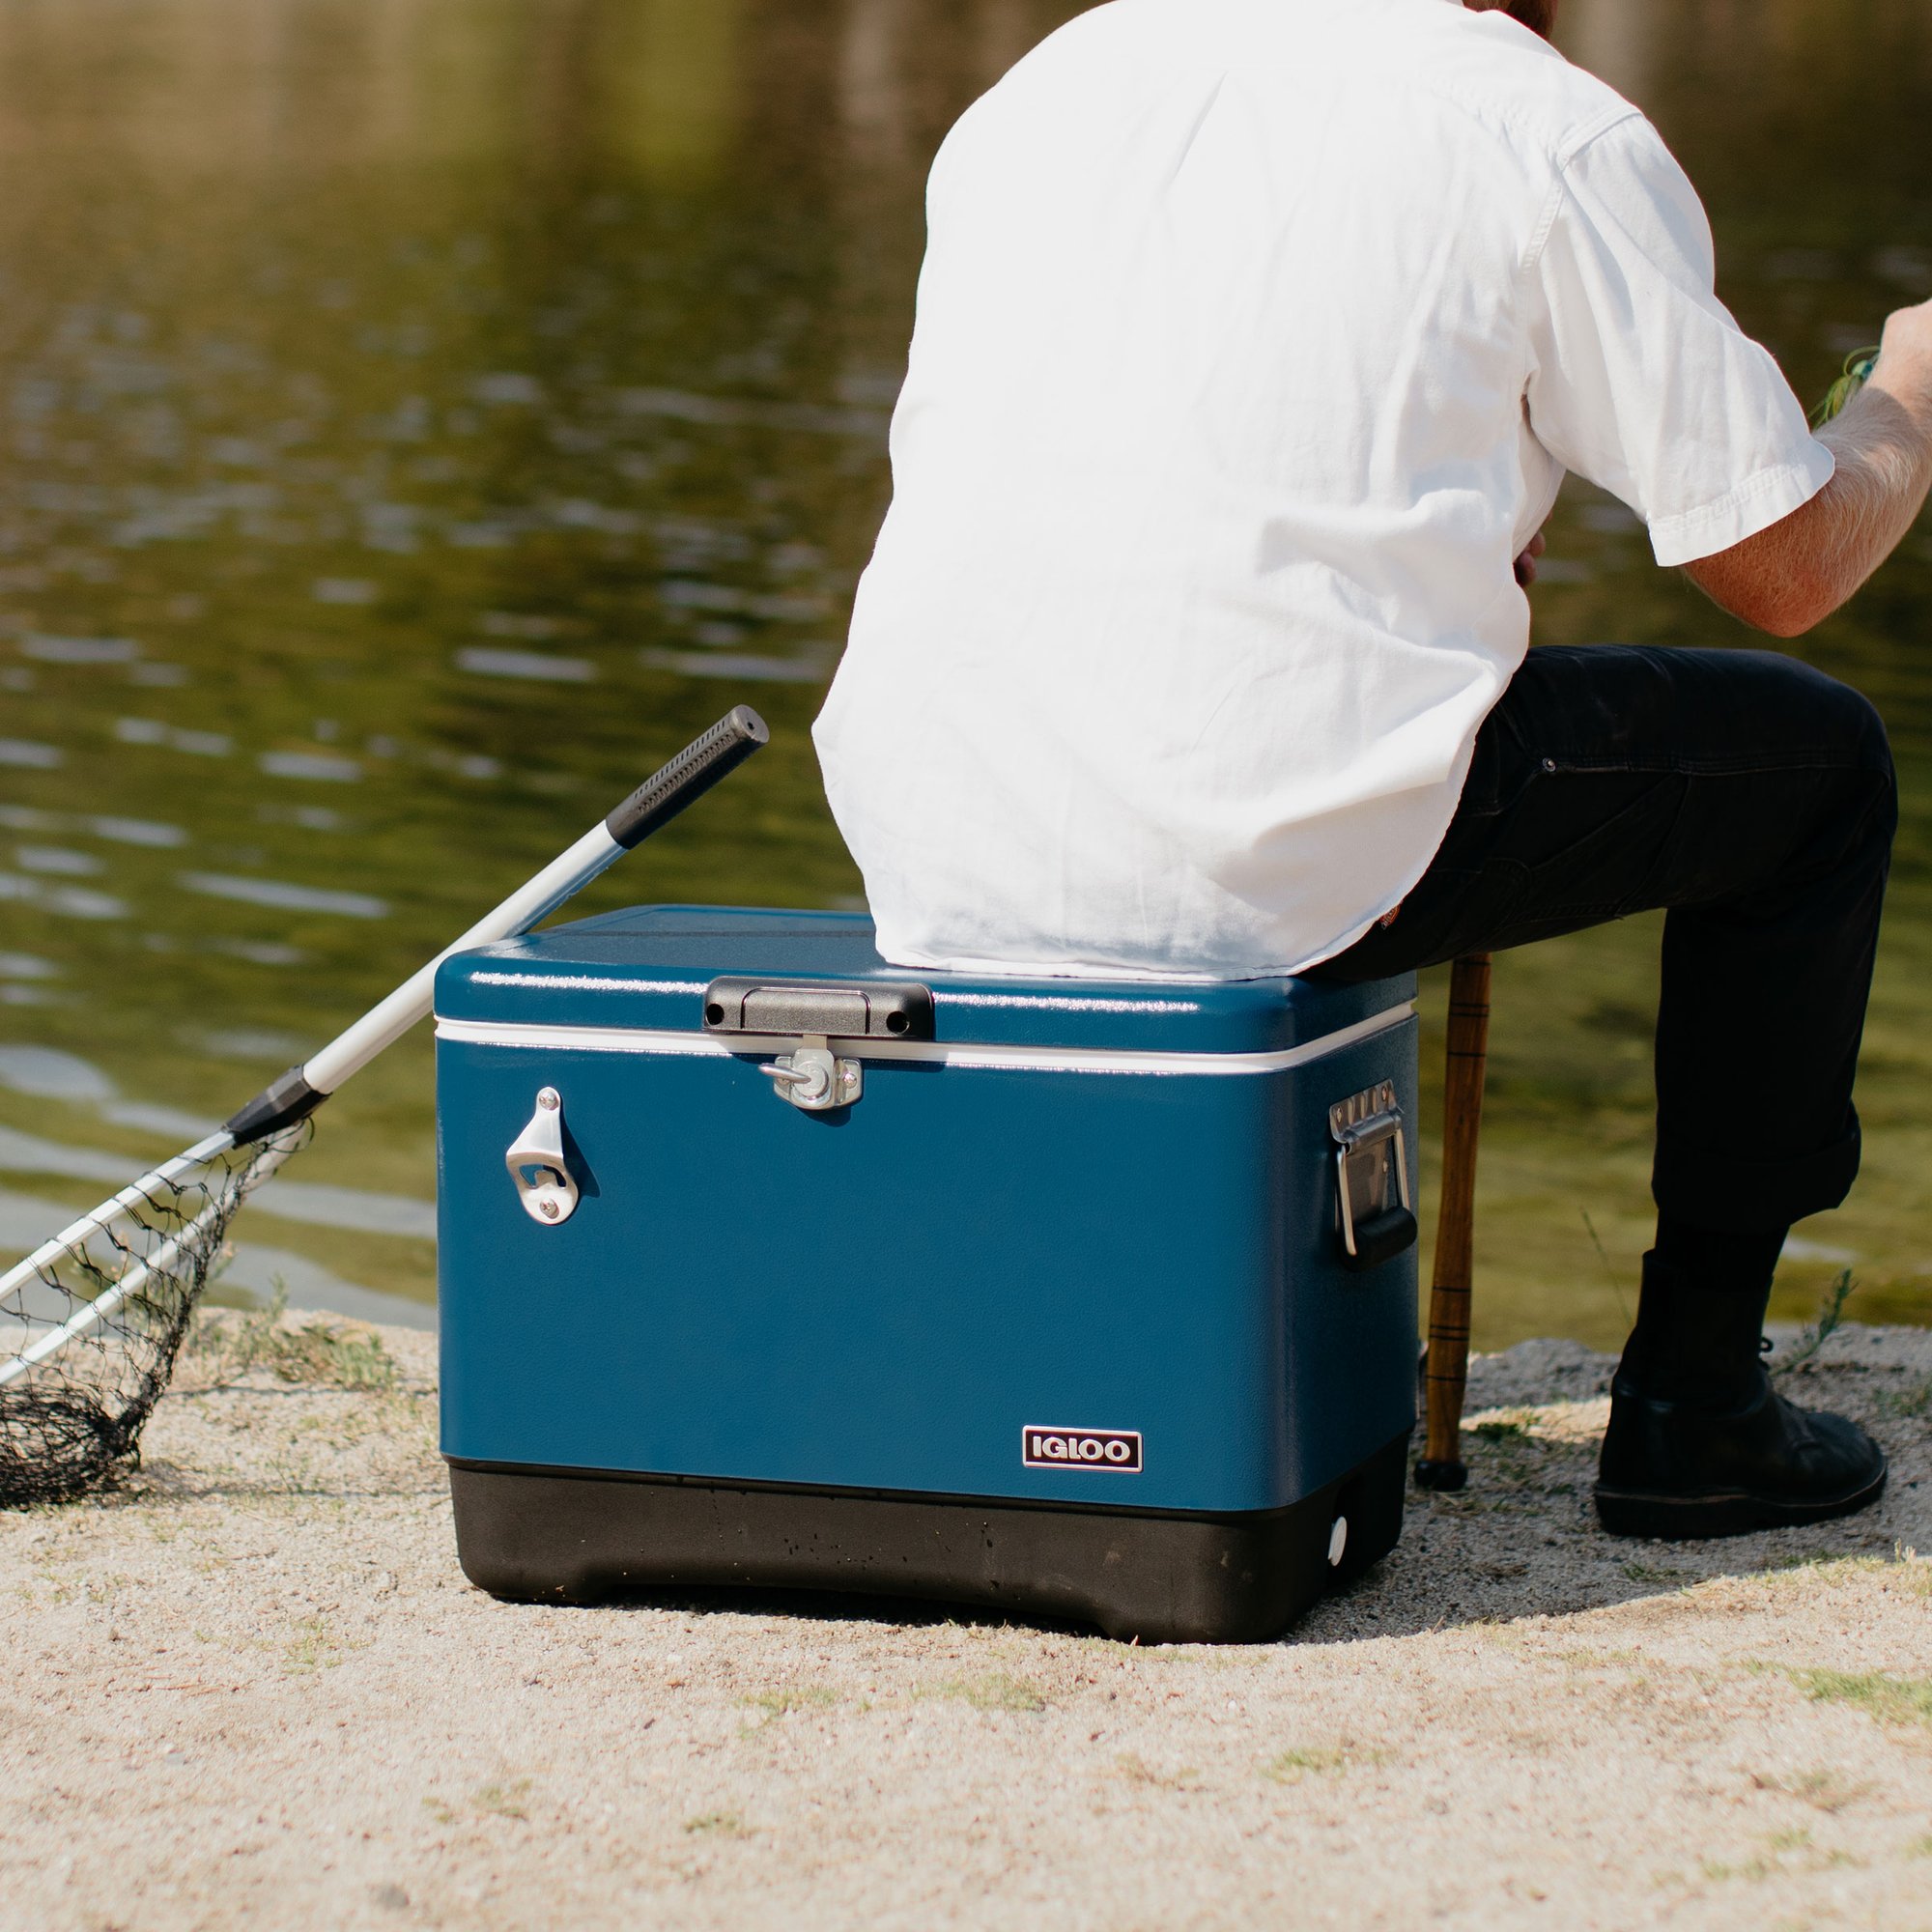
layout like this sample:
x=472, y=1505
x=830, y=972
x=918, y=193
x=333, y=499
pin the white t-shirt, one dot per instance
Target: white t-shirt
x=1253, y=340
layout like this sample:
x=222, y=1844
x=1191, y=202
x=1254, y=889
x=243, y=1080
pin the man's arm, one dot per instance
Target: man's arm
x=1795, y=574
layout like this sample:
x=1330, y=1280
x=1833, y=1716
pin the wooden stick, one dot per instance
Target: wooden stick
x=1447, y=1372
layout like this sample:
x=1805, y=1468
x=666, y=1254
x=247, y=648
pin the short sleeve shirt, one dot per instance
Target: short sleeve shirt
x=1253, y=340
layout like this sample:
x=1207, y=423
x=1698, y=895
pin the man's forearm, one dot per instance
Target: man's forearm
x=1790, y=577
x=1884, y=455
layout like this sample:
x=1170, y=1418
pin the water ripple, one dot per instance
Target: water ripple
x=285, y=897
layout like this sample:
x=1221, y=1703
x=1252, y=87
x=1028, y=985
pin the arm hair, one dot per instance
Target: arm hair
x=1795, y=574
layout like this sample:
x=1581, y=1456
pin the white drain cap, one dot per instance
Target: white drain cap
x=1338, y=1540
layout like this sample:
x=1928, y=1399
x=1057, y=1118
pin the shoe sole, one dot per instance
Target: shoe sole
x=1691, y=1519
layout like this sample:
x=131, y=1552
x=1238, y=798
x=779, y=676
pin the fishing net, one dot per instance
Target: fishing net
x=91, y=1322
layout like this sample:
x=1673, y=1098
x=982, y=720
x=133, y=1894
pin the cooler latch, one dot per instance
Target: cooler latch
x=818, y=1012
x=813, y=1077
x=1378, y=1218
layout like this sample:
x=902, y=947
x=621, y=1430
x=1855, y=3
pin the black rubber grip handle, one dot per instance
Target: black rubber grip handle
x=281, y=1103
x=1380, y=1238
x=690, y=775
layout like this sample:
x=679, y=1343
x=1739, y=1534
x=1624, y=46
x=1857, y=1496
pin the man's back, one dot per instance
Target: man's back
x=1252, y=338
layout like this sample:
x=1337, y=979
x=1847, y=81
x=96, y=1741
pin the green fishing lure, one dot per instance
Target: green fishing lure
x=1859, y=365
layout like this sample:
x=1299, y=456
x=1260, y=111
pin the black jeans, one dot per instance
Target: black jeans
x=1755, y=798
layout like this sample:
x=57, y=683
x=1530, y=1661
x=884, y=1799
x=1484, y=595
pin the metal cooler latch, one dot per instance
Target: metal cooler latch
x=1378, y=1221
x=537, y=1165
x=813, y=1077
x=817, y=1013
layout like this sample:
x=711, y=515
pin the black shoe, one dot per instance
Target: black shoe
x=1672, y=1470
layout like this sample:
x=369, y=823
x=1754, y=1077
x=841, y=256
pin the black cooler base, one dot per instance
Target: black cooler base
x=577, y=1537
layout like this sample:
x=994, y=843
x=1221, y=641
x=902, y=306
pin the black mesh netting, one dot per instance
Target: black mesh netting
x=88, y=1331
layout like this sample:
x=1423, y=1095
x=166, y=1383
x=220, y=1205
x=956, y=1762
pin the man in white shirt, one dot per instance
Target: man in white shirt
x=1254, y=339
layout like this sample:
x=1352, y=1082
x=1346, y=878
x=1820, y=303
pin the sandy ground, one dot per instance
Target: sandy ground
x=253, y=1688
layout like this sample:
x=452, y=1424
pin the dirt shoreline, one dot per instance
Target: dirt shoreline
x=253, y=1688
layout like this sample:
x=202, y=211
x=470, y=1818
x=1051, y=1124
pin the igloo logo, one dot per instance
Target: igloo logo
x=1081, y=1449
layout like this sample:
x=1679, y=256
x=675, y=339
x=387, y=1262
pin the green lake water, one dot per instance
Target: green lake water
x=421, y=417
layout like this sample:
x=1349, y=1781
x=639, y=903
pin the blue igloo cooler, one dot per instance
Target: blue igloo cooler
x=765, y=1263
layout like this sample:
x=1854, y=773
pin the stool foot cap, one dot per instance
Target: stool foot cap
x=1430, y=1475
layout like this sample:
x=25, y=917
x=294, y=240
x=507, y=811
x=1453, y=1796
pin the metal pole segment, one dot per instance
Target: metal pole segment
x=655, y=803
x=1447, y=1371
x=383, y=1025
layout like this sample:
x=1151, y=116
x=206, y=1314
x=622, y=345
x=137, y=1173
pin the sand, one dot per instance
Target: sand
x=254, y=1689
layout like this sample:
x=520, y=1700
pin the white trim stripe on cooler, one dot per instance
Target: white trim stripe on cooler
x=1053, y=1059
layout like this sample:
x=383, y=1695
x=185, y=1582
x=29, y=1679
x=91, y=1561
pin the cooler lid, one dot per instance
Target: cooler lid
x=648, y=967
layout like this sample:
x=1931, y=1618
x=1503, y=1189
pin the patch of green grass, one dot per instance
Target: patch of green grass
x=1830, y=1315
x=1137, y=1770
x=997, y=1691
x=718, y=1824
x=1813, y=1566
x=1755, y=1871
x=1889, y=1700
x=1319, y=1761
x=505, y=1800
x=327, y=1354
x=1499, y=1428
x=1906, y=1403
x=776, y=1704
x=313, y=1648
x=333, y=1354
x=1600, y=1659
x=1654, y=1572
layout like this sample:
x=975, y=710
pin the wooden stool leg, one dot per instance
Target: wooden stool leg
x=1441, y=1466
